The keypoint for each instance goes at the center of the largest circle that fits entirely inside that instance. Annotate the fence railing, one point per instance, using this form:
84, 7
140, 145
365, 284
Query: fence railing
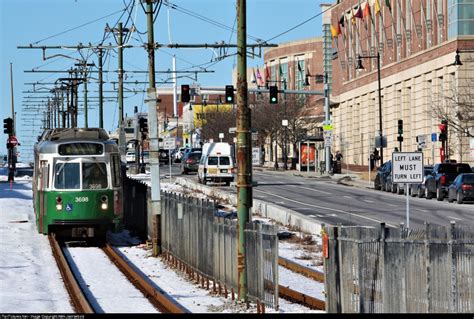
427, 270
191, 232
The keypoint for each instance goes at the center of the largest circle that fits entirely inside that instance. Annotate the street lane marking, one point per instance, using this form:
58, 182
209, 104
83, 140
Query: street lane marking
311, 189
368, 201
456, 218
423, 210
327, 208
393, 205
348, 197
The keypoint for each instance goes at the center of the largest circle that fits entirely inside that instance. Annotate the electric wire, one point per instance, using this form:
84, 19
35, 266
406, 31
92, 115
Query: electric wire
80, 26
298, 25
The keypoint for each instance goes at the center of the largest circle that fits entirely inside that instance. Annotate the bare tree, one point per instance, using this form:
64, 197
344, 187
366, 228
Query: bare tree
456, 106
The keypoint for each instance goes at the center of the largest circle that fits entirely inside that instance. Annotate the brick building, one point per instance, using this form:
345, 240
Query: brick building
420, 85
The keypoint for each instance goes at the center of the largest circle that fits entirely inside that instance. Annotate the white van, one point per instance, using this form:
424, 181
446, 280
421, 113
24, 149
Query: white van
216, 164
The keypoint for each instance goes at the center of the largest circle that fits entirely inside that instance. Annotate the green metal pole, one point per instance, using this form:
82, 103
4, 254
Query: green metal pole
244, 162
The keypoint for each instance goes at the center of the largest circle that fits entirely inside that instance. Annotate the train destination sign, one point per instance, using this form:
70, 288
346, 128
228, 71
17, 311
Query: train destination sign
407, 167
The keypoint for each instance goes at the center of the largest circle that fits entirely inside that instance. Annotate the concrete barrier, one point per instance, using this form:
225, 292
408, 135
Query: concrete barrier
285, 216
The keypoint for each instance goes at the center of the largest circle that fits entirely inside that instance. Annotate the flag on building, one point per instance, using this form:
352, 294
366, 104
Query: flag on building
376, 7
259, 77
254, 78
334, 31
341, 20
359, 13
367, 10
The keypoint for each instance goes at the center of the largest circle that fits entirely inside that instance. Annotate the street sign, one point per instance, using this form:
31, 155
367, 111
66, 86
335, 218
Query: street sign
169, 143
327, 135
328, 127
471, 143
232, 130
407, 167
256, 155
434, 137
12, 140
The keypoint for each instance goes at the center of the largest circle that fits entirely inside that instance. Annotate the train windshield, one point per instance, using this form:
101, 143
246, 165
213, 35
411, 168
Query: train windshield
66, 176
94, 176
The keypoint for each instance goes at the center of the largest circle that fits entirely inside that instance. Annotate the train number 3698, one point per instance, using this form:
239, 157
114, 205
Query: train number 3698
82, 199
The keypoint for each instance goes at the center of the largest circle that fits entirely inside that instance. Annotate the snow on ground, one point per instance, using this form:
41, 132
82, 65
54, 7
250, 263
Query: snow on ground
28, 269
29, 279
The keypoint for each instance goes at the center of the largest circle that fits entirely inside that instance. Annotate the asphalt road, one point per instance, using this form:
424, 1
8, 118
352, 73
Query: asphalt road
332, 203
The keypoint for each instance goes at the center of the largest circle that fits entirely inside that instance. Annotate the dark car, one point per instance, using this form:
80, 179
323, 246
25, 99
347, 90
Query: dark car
419, 189
381, 176
190, 162
24, 171
462, 188
393, 187
164, 156
441, 177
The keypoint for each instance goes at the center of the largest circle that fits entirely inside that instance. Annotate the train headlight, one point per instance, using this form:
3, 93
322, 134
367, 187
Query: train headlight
104, 202
59, 203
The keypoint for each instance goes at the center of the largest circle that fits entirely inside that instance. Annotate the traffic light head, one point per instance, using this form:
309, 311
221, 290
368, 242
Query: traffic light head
400, 127
273, 94
8, 126
229, 94
443, 127
143, 125
185, 94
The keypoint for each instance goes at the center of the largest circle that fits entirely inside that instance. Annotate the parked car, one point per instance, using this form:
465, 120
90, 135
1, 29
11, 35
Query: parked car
24, 171
441, 177
178, 154
190, 162
462, 188
164, 156
393, 187
381, 176
419, 189
191, 149
130, 156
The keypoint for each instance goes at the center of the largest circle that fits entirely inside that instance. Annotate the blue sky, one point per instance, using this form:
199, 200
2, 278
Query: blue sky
68, 22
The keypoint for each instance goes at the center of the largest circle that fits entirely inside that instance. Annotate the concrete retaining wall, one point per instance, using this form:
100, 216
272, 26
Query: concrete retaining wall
285, 216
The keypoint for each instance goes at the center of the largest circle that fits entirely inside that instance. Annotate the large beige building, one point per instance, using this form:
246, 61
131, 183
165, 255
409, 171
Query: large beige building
419, 82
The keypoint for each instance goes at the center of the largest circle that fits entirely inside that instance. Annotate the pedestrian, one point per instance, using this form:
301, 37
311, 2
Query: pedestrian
339, 156
372, 162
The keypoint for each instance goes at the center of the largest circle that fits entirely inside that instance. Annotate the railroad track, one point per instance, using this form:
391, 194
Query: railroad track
296, 296
160, 300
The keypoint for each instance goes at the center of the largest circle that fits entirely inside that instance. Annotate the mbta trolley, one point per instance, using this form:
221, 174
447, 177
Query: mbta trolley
77, 188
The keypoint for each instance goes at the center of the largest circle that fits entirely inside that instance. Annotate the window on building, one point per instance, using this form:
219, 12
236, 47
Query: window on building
460, 18
283, 84
299, 74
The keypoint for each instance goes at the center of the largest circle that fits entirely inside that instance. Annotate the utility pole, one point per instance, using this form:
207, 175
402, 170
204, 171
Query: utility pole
122, 142
12, 150
244, 160
101, 88
153, 130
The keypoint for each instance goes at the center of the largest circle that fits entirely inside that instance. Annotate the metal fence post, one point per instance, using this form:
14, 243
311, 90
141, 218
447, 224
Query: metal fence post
428, 266
332, 282
454, 269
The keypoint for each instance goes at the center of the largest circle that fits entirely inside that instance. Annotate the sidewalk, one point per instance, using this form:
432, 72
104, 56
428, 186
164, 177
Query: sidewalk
356, 177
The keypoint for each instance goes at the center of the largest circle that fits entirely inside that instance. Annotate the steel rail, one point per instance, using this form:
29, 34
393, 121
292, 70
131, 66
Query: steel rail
301, 298
79, 301
308, 272
159, 299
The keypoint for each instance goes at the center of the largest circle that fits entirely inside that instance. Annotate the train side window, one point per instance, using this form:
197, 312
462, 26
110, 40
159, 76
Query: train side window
94, 176
66, 176
115, 161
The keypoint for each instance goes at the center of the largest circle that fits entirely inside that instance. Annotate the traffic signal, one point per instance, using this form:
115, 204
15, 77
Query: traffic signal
443, 127
143, 125
185, 96
273, 94
229, 94
400, 127
8, 126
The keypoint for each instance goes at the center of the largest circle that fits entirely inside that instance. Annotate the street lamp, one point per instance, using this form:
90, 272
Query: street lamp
359, 66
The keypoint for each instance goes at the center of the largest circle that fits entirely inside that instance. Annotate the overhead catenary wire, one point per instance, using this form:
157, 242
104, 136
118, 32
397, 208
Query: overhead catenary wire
298, 25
